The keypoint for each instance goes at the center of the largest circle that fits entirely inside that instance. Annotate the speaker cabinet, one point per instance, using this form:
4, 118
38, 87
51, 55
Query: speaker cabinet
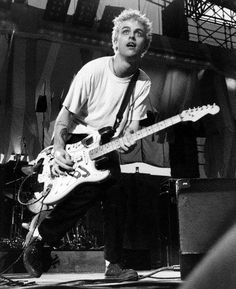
206, 209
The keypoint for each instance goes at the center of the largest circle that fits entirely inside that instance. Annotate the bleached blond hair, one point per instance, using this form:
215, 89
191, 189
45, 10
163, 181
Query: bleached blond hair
128, 14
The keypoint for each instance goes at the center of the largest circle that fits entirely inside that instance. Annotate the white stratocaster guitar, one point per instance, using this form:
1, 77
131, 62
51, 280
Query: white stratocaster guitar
85, 153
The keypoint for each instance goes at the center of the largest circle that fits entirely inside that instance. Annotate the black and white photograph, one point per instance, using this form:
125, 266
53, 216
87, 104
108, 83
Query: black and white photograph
118, 144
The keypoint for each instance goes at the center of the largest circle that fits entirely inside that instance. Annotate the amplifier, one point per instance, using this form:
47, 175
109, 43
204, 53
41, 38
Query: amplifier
206, 209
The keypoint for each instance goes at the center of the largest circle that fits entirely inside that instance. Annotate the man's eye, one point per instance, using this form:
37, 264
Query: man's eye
140, 33
125, 32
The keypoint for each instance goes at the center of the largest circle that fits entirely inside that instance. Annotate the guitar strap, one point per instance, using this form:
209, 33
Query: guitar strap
126, 99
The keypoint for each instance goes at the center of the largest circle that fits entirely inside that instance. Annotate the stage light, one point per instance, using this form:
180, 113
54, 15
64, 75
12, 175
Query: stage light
110, 12
231, 83
85, 12
56, 10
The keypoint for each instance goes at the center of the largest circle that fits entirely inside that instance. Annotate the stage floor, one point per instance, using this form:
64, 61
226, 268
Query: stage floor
161, 278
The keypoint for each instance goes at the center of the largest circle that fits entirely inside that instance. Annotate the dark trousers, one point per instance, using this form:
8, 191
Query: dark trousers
66, 214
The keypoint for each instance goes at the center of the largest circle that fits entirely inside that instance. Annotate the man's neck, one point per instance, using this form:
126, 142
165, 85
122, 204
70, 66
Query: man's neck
123, 67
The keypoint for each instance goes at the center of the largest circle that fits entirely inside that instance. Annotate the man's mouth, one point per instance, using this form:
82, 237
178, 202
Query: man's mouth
131, 44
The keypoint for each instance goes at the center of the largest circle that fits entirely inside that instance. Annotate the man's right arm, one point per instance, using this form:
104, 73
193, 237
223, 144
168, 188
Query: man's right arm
61, 157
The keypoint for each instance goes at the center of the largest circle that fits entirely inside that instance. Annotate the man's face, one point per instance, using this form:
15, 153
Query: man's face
131, 39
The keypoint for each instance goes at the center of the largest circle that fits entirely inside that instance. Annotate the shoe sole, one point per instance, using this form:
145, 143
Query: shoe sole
122, 279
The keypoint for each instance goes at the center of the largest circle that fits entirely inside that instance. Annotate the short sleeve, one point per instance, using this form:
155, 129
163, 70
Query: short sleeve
141, 102
79, 91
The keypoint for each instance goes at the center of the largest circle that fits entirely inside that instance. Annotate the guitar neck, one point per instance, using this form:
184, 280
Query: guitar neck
117, 143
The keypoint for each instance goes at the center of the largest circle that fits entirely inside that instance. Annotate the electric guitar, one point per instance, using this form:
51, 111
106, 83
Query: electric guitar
86, 152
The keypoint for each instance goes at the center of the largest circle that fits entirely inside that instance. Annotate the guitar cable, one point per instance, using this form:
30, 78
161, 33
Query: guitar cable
20, 190
5, 279
8, 281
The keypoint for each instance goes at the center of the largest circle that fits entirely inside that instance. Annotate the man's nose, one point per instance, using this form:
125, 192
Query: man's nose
132, 35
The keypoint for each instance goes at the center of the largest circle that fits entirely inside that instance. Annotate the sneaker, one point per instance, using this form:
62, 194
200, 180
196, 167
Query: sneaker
33, 258
116, 273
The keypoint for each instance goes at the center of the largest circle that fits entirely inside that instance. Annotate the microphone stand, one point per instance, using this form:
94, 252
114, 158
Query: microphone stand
13, 229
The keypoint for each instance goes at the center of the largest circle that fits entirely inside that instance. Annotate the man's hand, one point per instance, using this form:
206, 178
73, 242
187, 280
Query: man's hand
62, 162
128, 143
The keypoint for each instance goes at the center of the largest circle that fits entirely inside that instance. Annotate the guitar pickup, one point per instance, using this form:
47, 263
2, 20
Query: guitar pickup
76, 174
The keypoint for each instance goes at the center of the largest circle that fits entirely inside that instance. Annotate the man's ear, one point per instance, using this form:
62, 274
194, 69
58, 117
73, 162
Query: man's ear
116, 44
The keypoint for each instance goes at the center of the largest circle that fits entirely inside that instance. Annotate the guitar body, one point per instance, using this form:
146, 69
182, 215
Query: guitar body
85, 171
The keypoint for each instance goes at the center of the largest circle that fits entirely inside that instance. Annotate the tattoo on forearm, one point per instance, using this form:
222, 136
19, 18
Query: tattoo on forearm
63, 134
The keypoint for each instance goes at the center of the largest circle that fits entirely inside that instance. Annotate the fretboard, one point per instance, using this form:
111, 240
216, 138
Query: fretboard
117, 143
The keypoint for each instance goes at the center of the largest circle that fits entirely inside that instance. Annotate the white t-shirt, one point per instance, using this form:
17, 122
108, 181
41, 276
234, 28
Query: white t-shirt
96, 94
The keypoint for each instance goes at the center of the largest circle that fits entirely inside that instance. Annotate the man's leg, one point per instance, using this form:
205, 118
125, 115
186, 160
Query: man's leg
67, 213
62, 218
114, 209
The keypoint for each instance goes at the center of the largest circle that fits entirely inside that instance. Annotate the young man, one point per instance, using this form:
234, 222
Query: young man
92, 103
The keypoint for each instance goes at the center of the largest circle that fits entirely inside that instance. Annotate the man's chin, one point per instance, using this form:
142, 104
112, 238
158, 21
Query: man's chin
132, 56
